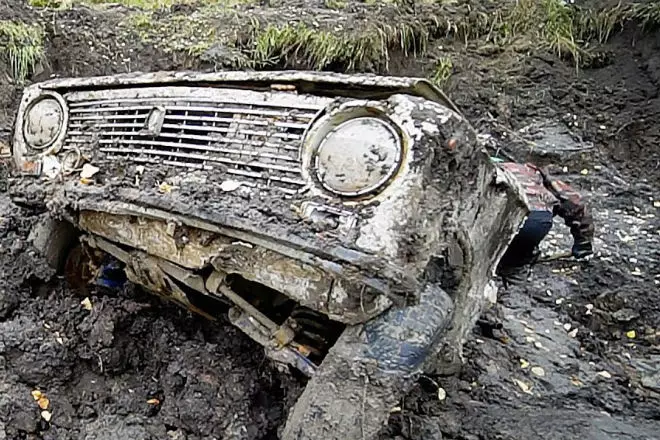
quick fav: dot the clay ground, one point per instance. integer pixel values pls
(578, 354)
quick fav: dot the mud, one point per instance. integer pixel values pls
(134, 367)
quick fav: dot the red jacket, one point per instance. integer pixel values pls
(545, 194)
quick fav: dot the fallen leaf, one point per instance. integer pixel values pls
(575, 381)
(85, 181)
(46, 415)
(604, 374)
(88, 171)
(523, 363)
(36, 394)
(442, 394)
(523, 386)
(396, 409)
(43, 402)
(165, 187)
(230, 185)
(584, 172)
(632, 334)
(573, 333)
(567, 327)
(538, 371)
(153, 402)
(86, 303)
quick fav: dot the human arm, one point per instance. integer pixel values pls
(576, 216)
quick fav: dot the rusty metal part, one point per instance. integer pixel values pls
(249, 308)
(311, 286)
(158, 276)
(153, 273)
(159, 238)
(295, 356)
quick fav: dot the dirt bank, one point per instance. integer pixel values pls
(132, 367)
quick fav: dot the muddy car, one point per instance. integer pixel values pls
(347, 223)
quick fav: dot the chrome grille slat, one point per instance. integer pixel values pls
(147, 152)
(74, 110)
(174, 108)
(254, 136)
(101, 117)
(77, 127)
(201, 99)
(211, 148)
(240, 121)
(231, 141)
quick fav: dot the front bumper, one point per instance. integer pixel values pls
(329, 287)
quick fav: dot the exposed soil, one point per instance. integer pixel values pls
(133, 367)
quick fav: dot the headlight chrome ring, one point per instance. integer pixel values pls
(358, 156)
(44, 121)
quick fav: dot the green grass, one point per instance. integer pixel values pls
(296, 45)
(146, 5)
(442, 72)
(255, 38)
(21, 47)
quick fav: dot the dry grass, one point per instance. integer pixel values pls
(21, 47)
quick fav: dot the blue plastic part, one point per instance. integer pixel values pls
(401, 339)
(111, 275)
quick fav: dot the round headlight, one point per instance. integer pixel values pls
(42, 122)
(358, 156)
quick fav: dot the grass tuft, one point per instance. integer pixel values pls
(442, 72)
(21, 47)
(301, 46)
(647, 13)
(226, 33)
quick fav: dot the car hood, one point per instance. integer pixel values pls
(361, 86)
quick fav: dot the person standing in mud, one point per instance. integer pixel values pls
(547, 199)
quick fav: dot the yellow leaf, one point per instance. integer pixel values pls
(43, 402)
(36, 394)
(523, 363)
(85, 181)
(538, 371)
(153, 402)
(86, 303)
(523, 386)
(631, 334)
(165, 187)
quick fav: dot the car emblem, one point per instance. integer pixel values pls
(154, 122)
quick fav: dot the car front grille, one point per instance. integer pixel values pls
(253, 137)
